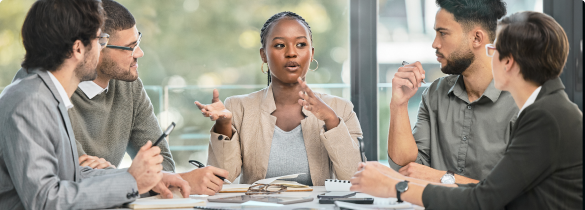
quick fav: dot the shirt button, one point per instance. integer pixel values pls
(220, 137)
(460, 170)
(464, 138)
(468, 107)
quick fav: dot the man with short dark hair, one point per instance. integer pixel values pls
(463, 124)
(113, 114)
(39, 168)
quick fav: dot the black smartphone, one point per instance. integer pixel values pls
(336, 195)
(349, 200)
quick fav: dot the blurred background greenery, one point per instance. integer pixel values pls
(193, 46)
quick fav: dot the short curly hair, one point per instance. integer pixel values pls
(470, 13)
(536, 42)
(278, 16)
(51, 27)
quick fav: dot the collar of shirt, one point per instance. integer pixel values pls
(530, 99)
(458, 89)
(61, 91)
(91, 89)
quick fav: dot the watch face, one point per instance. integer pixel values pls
(402, 186)
(448, 179)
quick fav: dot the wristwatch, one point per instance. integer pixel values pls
(400, 188)
(448, 178)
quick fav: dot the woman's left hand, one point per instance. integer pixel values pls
(316, 106)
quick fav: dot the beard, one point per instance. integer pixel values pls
(86, 70)
(111, 69)
(458, 63)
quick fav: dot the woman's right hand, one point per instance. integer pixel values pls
(216, 110)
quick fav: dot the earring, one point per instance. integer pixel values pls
(262, 68)
(317, 65)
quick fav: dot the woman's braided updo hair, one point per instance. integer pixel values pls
(273, 19)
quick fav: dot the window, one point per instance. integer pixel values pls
(192, 47)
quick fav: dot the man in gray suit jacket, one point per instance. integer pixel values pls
(39, 166)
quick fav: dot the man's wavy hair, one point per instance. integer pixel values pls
(51, 27)
(470, 13)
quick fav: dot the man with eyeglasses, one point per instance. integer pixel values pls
(39, 166)
(463, 122)
(113, 115)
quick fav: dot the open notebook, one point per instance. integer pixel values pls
(292, 186)
(156, 202)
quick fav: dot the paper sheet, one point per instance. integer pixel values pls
(258, 203)
(154, 203)
(347, 205)
(270, 180)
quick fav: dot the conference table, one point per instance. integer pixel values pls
(313, 204)
(305, 205)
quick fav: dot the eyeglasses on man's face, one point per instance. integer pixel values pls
(490, 49)
(133, 49)
(103, 39)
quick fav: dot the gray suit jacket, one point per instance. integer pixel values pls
(39, 167)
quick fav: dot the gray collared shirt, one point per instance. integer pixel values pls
(454, 134)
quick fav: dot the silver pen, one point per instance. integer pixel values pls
(406, 63)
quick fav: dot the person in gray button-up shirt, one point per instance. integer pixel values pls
(463, 123)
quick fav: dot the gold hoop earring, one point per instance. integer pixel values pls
(262, 68)
(317, 65)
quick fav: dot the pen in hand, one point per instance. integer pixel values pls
(406, 63)
(165, 134)
(200, 165)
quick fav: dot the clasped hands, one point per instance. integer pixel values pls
(378, 180)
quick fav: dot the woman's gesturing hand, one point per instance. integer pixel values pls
(216, 110)
(316, 106)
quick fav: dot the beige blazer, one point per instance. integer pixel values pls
(331, 154)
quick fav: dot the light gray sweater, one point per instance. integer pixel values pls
(117, 121)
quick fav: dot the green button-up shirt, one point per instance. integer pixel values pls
(455, 134)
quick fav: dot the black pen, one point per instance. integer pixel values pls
(361, 144)
(200, 165)
(165, 134)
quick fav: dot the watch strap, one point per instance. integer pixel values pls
(451, 172)
(398, 196)
(398, 192)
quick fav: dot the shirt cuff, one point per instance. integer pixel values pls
(392, 164)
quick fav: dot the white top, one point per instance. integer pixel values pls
(530, 99)
(61, 91)
(91, 89)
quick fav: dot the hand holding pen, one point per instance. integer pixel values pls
(205, 180)
(201, 165)
(406, 82)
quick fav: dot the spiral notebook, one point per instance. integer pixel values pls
(337, 185)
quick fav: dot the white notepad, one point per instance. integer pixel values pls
(337, 185)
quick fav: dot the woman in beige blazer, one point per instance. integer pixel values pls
(242, 137)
